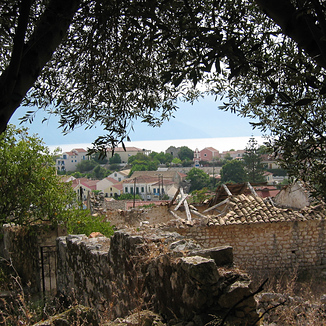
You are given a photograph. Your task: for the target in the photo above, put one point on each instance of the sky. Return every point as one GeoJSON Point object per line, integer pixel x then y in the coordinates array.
{"type": "Point", "coordinates": [197, 125]}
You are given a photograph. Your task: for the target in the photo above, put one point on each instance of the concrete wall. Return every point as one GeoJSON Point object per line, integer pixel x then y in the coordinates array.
{"type": "Point", "coordinates": [266, 246]}
{"type": "Point", "coordinates": [156, 270]}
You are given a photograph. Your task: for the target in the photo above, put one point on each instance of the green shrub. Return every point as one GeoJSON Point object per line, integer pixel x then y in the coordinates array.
{"type": "Point", "coordinates": [84, 223]}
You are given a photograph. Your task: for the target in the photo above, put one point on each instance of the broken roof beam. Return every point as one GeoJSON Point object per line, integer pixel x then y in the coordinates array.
{"type": "Point", "coordinates": [252, 190]}
{"type": "Point", "coordinates": [185, 204]}
{"type": "Point", "coordinates": [217, 205]}
{"type": "Point", "coordinates": [175, 215]}
{"type": "Point", "coordinates": [183, 198]}
{"type": "Point", "coordinates": [174, 197]}
{"type": "Point", "coordinates": [197, 213]}
{"type": "Point", "coordinates": [227, 190]}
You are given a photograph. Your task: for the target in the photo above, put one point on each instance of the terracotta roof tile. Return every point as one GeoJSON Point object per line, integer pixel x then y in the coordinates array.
{"type": "Point", "coordinates": [244, 209]}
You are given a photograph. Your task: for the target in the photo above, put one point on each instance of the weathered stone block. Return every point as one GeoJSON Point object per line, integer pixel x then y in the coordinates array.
{"type": "Point", "coordinates": [221, 255]}
{"type": "Point", "coordinates": [201, 269]}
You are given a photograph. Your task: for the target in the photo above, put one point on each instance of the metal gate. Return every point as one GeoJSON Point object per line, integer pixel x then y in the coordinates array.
{"type": "Point", "coordinates": [48, 262]}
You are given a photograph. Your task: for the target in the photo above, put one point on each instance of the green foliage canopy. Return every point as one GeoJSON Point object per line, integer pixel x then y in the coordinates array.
{"type": "Point", "coordinates": [85, 223]}
{"type": "Point", "coordinates": [128, 196]}
{"type": "Point", "coordinates": [233, 171]}
{"type": "Point", "coordinates": [142, 162]}
{"type": "Point", "coordinates": [86, 166]}
{"type": "Point", "coordinates": [115, 159]}
{"type": "Point", "coordinates": [31, 190]}
{"type": "Point", "coordinates": [185, 153]}
{"type": "Point", "coordinates": [111, 62]}
{"type": "Point", "coordinates": [198, 179]}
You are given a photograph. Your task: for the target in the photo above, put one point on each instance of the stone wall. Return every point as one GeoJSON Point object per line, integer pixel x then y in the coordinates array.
{"type": "Point", "coordinates": [267, 246]}
{"type": "Point", "coordinates": [22, 246]}
{"type": "Point", "coordinates": [156, 270]}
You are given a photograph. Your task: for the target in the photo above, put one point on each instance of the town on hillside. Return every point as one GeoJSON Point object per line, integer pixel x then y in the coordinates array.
{"type": "Point", "coordinates": [143, 175]}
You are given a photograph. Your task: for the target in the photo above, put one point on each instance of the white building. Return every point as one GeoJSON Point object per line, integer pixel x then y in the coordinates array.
{"type": "Point", "coordinates": [69, 160]}
{"type": "Point", "coordinates": [119, 175]}
{"type": "Point", "coordinates": [149, 188]}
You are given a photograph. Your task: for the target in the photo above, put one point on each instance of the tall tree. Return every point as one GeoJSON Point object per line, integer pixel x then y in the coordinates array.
{"type": "Point", "coordinates": [185, 153]}
{"type": "Point", "coordinates": [233, 171]}
{"type": "Point", "coordinates": [198, 179]}
{"type": "Point", "coordinates": [252, 162]}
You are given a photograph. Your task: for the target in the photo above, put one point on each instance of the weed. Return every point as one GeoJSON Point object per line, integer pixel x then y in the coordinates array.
{"type": "Point", "coordinates": [292, 298]}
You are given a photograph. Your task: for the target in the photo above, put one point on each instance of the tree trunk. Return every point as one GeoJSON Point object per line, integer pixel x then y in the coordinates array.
{"type": "Point", "coordinates": [47, 36]}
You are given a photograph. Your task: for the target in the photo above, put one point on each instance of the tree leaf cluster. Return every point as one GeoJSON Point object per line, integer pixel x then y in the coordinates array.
{"type": "Point", "coordinates": [198, 179]}
{"type": "Point", "coordinates": [33, 191]}
{"type": "Point", "coordinates": [113, 62]}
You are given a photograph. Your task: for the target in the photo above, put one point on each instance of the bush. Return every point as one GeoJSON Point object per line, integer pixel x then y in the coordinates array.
{"type": "Point", "coordinates": [82, 222]}
{"type": "Point", "coordinates": [127, 196]}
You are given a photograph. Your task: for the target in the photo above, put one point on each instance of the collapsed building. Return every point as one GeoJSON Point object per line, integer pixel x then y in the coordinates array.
{"type": "Point", "coordinates": [185, 262]}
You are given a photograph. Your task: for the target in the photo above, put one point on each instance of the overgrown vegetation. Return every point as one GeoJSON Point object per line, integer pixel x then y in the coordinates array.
{"type": "Point", "coordinates": [31, 190]}
{"type": "Point", "coordinates": [292, 298]}
{"type": "Point", "coordinates": [85, 223]}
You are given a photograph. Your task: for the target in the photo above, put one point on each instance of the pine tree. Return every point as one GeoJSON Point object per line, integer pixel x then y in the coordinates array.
{"type": "Point", "coordinates": [252, 162]}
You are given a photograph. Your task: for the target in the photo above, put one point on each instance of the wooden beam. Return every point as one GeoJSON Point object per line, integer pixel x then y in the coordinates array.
{"type": "Point", "coordinates": [175, 215]}
{"type": "Point", "coordinates": [197, 213]}
{"type": "Point", "coordinates": [185, 204]}
{"type": "Point", "coordinates": [217, 205]}
{"type": "Point", "coordinates": [227, 190]}
{"type": "Point", "coordinates": [183, 198]}
{"type": "Point", "coordinates": [174, 197]}
{"type": "Point", "coordinates": [252, 190]}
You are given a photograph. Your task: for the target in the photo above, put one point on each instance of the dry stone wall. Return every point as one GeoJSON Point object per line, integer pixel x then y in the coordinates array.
{"type": "Point", "coordinates": [267, 246]}
{"type": "Point", "coordinates": [157, 270]}
{"type": "Point", "coordinates": [22, 246]}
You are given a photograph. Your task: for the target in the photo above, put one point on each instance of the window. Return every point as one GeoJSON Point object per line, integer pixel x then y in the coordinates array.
{"type": "Point", "coordinates": [142, 189]}
{"type": "Point", "coordinates": [72, 161]}
{"type": "Point", "coordinates": [115, 174]}
{"type": "Point", "coordinates": [119, 179]}
{"type": "Point", "coordinates": [63, 162]}
{"type": "Point", "coordinates": [131, 190]}
{"type": "Point", "coordinates": [154, 190]}
{"type": "Point", "coordinates": [126, 189]}
{"type": "Point", "coordinates": [137, 190]}
{"type": "Point", "coordinates": [64, 156]}
{"type": "Point", "coordinates": [205, 154]}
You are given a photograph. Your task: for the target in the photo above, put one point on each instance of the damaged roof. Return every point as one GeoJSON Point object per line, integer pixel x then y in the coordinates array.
{"type": "Point", "coordinates": [244, 209]}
